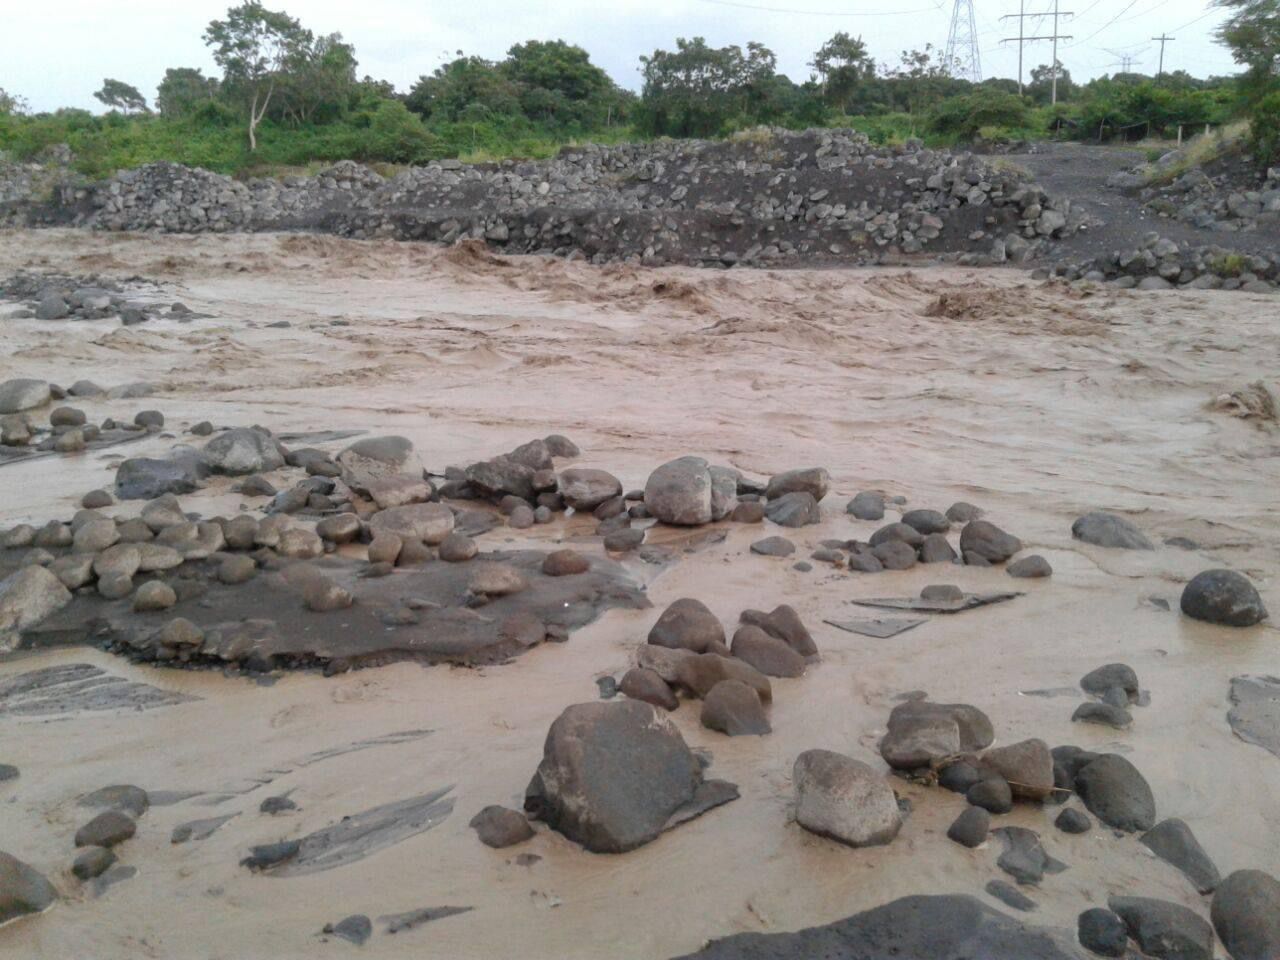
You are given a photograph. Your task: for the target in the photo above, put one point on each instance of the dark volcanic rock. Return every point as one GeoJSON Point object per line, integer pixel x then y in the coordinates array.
{"type": "Point", "coordinates": [123, 797]}
{"type": "Point", "coordinates": [926, 521]}
{"type": "Point", "coordinates": [866, 506]}
{"type": "Point", "coordinates": [1010, 896]}
{"type": "Point", "coordinates": [1108, 530]}
{"type": "Point", "coordinates": [679, 492]}
{"type": "Point", "coordinates": [1033, 567]}
{"type": "Point", "coordinates": [23, 890]}
{"type": "Point", "coordinates": [1104, 714]}
{"type": "Point", "coordinates": [1116, 793]}
{"type": "Point", "coordinates": [1246, 914]}
{"type": "Point", "coordinates": [774, 547]}
{"type": "Point", "coordinates": [243, 451]}
{"type": "Point", "coordinates": [986, 540]}
{"type": "Point", "coordinates": [784, 623]}
{"type": "Point", "coordinates": [812, 480]}
{"type": "Point", "coordinates": [895, 555]}
{"type": "Point", "coordinates": [640, 683]}
{"type": "Point", "coordinates": [143, 478]}
{"type": "Point", "coordinates": [798, 509]}
{"type": "Point", "coordinates": [1024, 858]}
{"type": "Point", "coordinates": [1028, 766]}
{"type": "Point", "coordinates": [992, 793]}
{"type": "Point", "coordinates": [895, 532]}
{"type": "Point", "coordinates": [951, 927]}
{"type": "Point", "coordinates": [733, 708]}
{"type": "Point", "coordinates": [1072, 820]}
{"type": "Point", "coordinates": [356, 929]}
{"type": "Point", "coordinates": [1104, 678]}
{"type": "Point", "coordinates": [1173, 842]}
{"type": "Point", "coordinates": [500, 827]}
{"type": "Point", "coordinates": [689, 625]}
{"type": "Point", "coordinates": [1164, 929]}
{"type": "Point", "coordinates": [614, 775]}
{"type": "Point", "coordinates": [585, 489]}
{"type": "Point", "coordinates": [1224, 597]}
{"type": "Point", "coordinates": [1102, 932]}
{"type": "Point", "coordinates": [970, 829]}
{"type": "Point", "coordinates": [1255, 711]}
{"type": "Point", "coordinates": [565, 563]}
{"type": "Point", "coordinates": [768, 654]}
{"type": "Point", "coordinates": [106, 830]}
{"type": "Point", "coordinates": [92, 862]}
{"type": "Point", "coordinates": [936, 549]}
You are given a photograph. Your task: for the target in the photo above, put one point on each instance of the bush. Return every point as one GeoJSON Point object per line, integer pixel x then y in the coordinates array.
{"type": "Point", "coordinates": [398, 136]}
{"type": "Point", "coordinates": [965, 117]}
{"type": "Point", "coordinates": [1264, 130]}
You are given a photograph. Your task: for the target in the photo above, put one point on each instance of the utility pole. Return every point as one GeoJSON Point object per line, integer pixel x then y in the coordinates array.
{"type": "Point", "coordinates": [1163, 39]}
{"type": "Point", "coordinates": [1022, 38]}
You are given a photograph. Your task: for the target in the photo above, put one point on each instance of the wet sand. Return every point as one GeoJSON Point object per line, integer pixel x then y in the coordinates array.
{"type": "Point", "coordinates": [1032, 400]}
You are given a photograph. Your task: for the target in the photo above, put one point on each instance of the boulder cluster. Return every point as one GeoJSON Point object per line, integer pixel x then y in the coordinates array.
{"type": "Point", "coordinates": [764, 197]}
{"type": "Point", "coordinates": [1163, 264]}
{"type": "Point", "coordinates": [57, 297]}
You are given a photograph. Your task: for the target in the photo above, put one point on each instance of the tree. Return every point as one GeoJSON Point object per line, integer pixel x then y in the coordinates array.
{"type": "Point", "coordinates": [1253, 34]}
{"type": "Point", "coordinates": [557, 81]}
{"type": "Point", "coordinates": [697, 90]}
{"type": "Point", "coordinates": [466, 83]}
{"type": "Point", "coordinates": [11, 103]}
{"type": "Point", "coordinates": [182, 90]}
{"type": "Point", "coordinates": [121, 96]}
{"type": "Point", "coordinates": [255, 47]}
{"type": "Point", "coordinates": [1040, 89]}
{"type": "Point", "coordinates": [843, 64]}
{"type": "Point", "coordinates": [318, 79]}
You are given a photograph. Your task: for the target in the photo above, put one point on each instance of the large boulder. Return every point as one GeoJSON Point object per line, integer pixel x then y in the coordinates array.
{"type": "Point", "coordinates": [985, 540]}
{"type": "Point", "coordinates": [798, 509]}
{"type": "Point", "coordinates": [1108, 530]}
{"type": "Point", "coordinates": [1246, 914]}
{"type": "Point", "coordinates": [689, 625]}
{"type": "Point", "coordinates": [242, 451]}
{"type": "Point", "coordinates": [614, 775]}
{"type": "Point", "coordinates": [27, 597]}
{"type": "Point", "coordinates": [23, 394]}
{"type": "Point", "coordinates": [950, 927]}
{"type": "Point", "coordinates": [23, 890]}
{"type": "Point", "coordinates": [585, 489]}
{"type": "Point", "coordinates": [1165, 930]}
{"type": "Point", "coordinates": [375, 457]}
{"type": "Point", "coordinates": [502, 476]}
{"type": "Point", "coordinates": [784, 623]}
{"type": "Point", "coordinates": [844, 799]}
{"type": "Point", "coordinates": [428, 522]}
{"type": "Point", "coordinates": [921, 733]}
{"type": "Point", "coordinates": [811, 480]}
{"type": "Point", "coordinates": [1117, 793]}
{"type": "Point", "coordinates": [698, 674]}
{"type": "Point", "coordinates": [680, 492]}
{"type": "Point", "coordinates": [145, 478]}
{"type": "Point", "coordinates": [735, 709]}
{"type": "Point", "coordinates": [1223, 597]}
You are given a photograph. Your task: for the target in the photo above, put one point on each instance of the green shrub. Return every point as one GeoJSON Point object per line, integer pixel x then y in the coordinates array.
{"type": "Point", "coordinates": [966, 116]}
{"type": "Point", "coordinates": [1264, 130]}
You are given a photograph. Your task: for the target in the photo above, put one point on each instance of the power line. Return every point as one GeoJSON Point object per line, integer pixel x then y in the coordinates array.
{"type": "Point", "coordinates": [1162, 40]}
{"type": "Point", "coordinates": [1130, 6]}
{"type": "Point", "coordinates": [1022, 39]}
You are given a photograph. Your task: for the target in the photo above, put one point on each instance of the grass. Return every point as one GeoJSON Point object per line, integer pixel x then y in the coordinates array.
{"type": "Point", "coordinates": [1195, 153]}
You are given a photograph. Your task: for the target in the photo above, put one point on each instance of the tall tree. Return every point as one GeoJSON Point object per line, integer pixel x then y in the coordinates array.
{"type": "Point", "coordinates": [255, 47]}
{"type": "Point", "coordinates": [11, 103]}
{"type": "Point", "coordinates": [1253, 34]}
{"type": "Point", "coordinates": [121, 96]}
{"type": "Point", "coordinates": [318, 79]}
{"type": "Point", "coordinates": [842, 64]}
{"type": "Point", "coordinates": [182, 90]}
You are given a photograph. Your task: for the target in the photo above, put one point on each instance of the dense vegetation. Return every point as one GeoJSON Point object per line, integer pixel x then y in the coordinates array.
{"type": "Point", "coordinates": [289, 98]}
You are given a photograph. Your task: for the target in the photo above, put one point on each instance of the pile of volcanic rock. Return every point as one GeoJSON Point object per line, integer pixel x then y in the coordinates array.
{"type": "Point", "coordinates": [55, 297]}
{"type": "Point", "coordinates": [775, 195]}
{"type": "Point", "coordinates": [1163, 264]}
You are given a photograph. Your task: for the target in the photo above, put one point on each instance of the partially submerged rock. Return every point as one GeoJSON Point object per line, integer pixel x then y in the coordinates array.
{"type": "Point", "coordinates": [734, 708]}
{"type": "Point", "coordinates": [1117, 793]}
{"type": "Point", "coordinates": [1173, 842]}
{"type": "Point", "coordinates": [1108, 530]}
{"type": "Point", "coordinates": [243, 451]}
{"type": "Point", "coordinates": [27, 597]}
{"type": "Point", "coordinates": [921, 733]}
{"type": "Point", "coordinates": [844, 799]}
{"type": "Point", "coordinates": [1246, 915]}
{"type": "Point", "coordinates": [1223, 597]}
{"type": "Point", "coordinates": [614, 775]}
{"type": "Point", "coordinates": [23, 890]}
{"type": "Point", "coordinates": [1163, 929]}
{"type": "Point", "coordinates": [689, 625]}
{"type": "Point", "coordinates": [500, 827]}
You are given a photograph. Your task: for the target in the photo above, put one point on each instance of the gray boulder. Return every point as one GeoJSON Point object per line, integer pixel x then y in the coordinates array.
{"type": "Point", "coordinates": [614, 775]}
{"type": "Point", "coordinates": [23, 890]}
{"type": "Point", "coordinates": [23, 394]}
{"type": "Point", "coordinates": [1173, 842]}
{"type": "Point", "coordinates": [1117, 793]}
{"type": "Point", "coordinates": [374, 457]}
{"type": "Point", "coordinates": [680, 492]}
{"type": "Point", "coordinates": [1246, 914]}
{"type": "Point", "coordinates": [926, 521]}
{"type": "Point", "coordinates": [814, 481]}
{"type": "Point", "coordinates": [428, 522]}
{"type": "Point", "coordinates": [584, 489]}
{"type": "Point", "coordinates": [844, 799]}
{"type": "Point", "coordinates": [27, 596]}
{"type": "Point", "coordinates": [768, 654]}
{"type": "Point", "coordinates": [1109, 530]}
{"type": "Point", "coordinates": [921, 732]}
{"type": "Point", "coordinates": [144, 478]}
{"type": "Point", "coordinates": [798, 509]}
{"type": "Point", "coordinates": [984, 539]}
{"type": "Point", "coordinates": [1163, 929]}
{"type": "Point", "coordinates": [734, 708]}
{"type": "Point", "coordinates": [866, 506]}
{"type": "Point", "coordinates": [243, 451]}
{"type": "Point", "coordinates": [688, 624]}
{"type": "Point", "coordinates": [1223, 597]}
{"type": "Point", "coordinates": [1028, 766]}
{"type": "Point", "coordinates": [500, 827]}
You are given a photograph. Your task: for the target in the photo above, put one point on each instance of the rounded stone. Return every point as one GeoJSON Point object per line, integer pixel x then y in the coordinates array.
{"type": "Point", "coordinates": [688, 624]}
{"type": "Point", "coordinates": [236, 569]}
{"type": "Point", "coordinates": [565, 563]}
{"type": "Point", "coordinates": [1223, 597]}
{"type": "Point", "coordinates": [844, 799]}
{"type": "Point", "coordinates": [1102, 932]}
{"type": "Point", "coordinates": [458, 548]}
{"type": "Point", "coordinates": [154, 595]}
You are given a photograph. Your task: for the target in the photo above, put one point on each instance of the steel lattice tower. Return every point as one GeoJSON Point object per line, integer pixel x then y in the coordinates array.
{"type": "Point", "coordinates": [963, 58]}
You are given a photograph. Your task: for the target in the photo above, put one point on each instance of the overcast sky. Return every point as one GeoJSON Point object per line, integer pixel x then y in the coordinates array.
{"type": "Point", "coordinates": [56, 52]}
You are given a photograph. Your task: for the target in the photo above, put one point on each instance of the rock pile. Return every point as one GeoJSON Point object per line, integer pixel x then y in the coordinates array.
{"type": "Point", "coordinates": [754, 199]}
{"type": "Point", "coordinates": [1162, 264]}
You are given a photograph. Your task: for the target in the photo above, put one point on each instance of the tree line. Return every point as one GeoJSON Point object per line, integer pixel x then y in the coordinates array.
{"type": "Point", "coordinates": [276, 75]}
